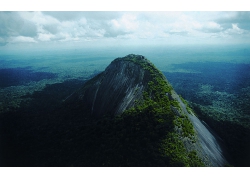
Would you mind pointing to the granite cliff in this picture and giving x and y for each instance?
(117, 88)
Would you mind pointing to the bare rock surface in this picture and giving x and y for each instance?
(208, 147)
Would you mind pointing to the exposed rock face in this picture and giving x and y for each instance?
(116, 89)
(208, 146)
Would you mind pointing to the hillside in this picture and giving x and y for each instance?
(133, 103)
(127, 115)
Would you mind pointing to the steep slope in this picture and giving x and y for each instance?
(117, 88)
(209, 145)
(137, 119)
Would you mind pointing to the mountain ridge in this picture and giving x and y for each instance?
(133, 97)
(133, 91)
(153, 126)
(123, 81)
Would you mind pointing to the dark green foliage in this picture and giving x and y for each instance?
(133, 139)
(47, 133)
(143, 135)
(33, 134)
(20, 76)
(194, 161)
(156, 109)
(219, 94)
(189, 109)
(186, 126)
(235, 134)
(175, 104)
(173, 148)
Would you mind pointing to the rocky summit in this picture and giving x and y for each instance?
(117, 88)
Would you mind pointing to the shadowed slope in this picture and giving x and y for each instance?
(116, 89)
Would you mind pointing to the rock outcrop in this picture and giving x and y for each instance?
(116, 89)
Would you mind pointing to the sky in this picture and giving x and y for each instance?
(63, 29)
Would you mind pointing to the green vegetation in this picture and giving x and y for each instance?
(219, 94)
(235, 134)
(174, 149)
(155, 111)
(189, 109)
(44, 132)
(186, 127)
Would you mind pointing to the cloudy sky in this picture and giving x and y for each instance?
(107, 28)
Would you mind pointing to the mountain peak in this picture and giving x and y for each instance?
(132, 99)
(118, 88)
(133, 58)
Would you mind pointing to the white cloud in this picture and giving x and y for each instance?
(22, 39)
(214, 25)
(236, 29)
(68, 37)
(166, 27)
(209, 27)
(129, 22)
(45, 37)
(83, 21)
(42, 19)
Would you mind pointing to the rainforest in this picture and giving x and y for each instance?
(55, 109)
